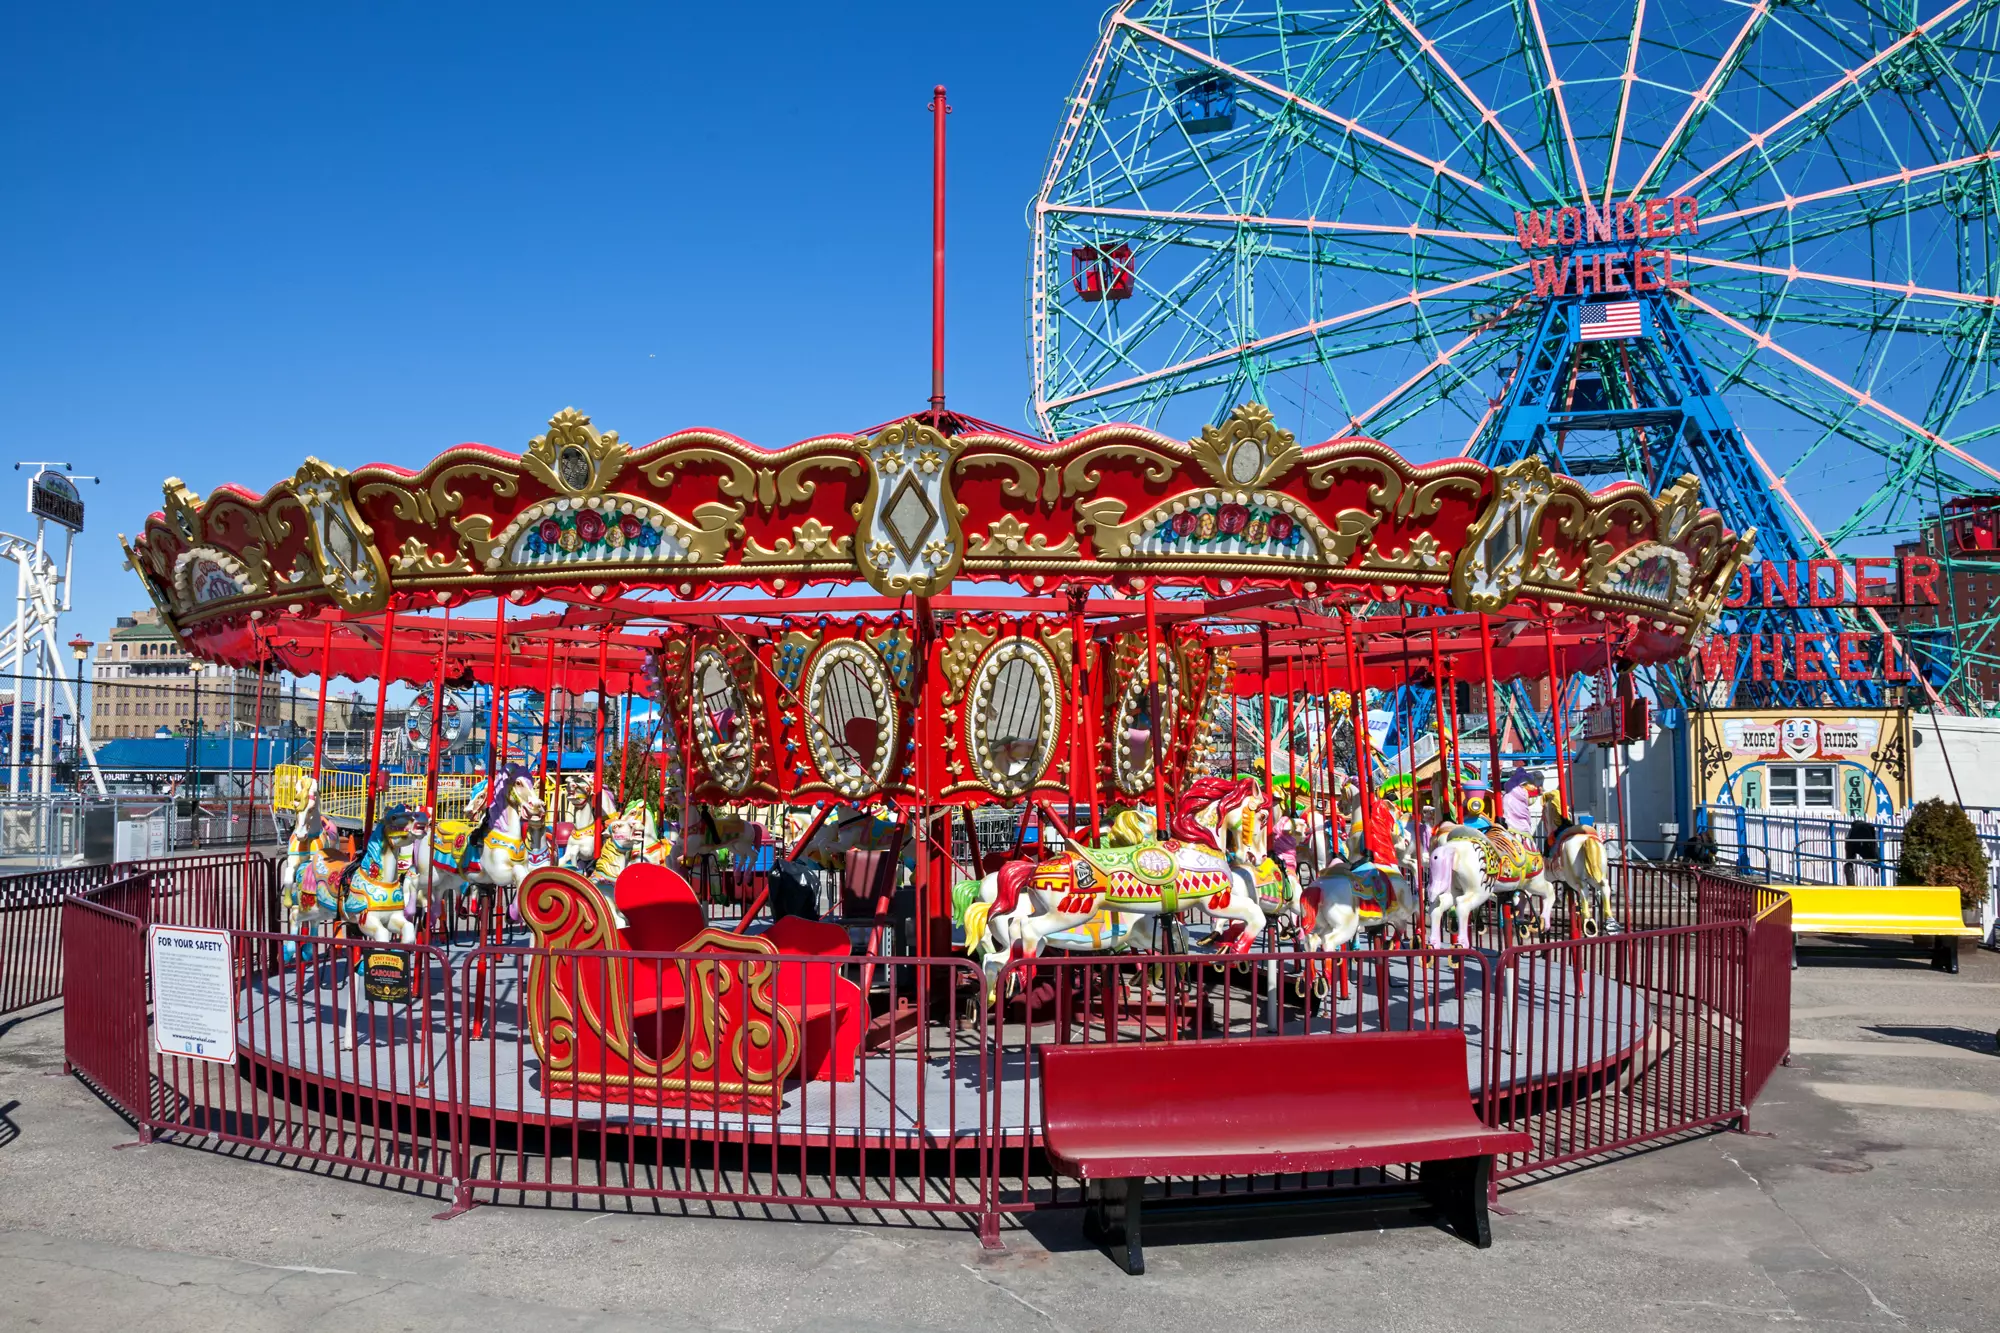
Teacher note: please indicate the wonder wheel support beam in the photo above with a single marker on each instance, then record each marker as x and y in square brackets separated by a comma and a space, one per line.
[1671, 399]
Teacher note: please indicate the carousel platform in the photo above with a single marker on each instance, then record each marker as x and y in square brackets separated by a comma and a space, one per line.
[940, 1083]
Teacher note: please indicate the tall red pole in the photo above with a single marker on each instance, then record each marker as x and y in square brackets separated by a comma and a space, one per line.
[1556, 687]
[1492, 718]
[381, 711]
[495, 741]
[939, 109]
[435, 760]
[1160, 738]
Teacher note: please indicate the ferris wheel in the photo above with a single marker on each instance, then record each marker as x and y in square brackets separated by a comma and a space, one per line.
[1373, 216]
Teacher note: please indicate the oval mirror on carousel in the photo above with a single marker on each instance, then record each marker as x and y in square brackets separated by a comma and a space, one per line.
[1011, 732]
[851, 717]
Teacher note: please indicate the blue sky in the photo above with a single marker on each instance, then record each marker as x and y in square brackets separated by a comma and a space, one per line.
[238, 235]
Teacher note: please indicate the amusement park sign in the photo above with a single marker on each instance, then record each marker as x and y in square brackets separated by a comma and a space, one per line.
[1616, 223]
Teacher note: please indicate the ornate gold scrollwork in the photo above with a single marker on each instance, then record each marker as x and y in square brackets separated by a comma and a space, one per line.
[1004, 539]
[811, 541]
[740, 484]
[574, 458]
[418, 558]
[793, 489]
[1248, 450]
[342, 542]
[1025, 484]
[1506, 541]
[1079, 477]
[960, 656]
[183, 509]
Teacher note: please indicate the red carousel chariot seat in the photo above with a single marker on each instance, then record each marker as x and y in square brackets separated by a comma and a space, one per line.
[665, 1031]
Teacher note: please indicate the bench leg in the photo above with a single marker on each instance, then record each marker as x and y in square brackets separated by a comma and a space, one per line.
[1111, 1218]
[1457, 1189]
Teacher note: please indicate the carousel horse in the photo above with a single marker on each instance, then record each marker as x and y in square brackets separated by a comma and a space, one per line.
[380, 893]
[1506, 864]
[504, 846]
[1457, 882]
[575, 821]
[305, 875]
[1576, 860]
[1210, 863]
[625, 844]
[1373, 863]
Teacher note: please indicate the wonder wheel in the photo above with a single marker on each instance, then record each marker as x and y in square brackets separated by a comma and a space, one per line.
[1339, 210]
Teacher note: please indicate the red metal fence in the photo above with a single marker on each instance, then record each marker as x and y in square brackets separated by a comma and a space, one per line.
[218, 889]
[1591, 1046]
[31, 959]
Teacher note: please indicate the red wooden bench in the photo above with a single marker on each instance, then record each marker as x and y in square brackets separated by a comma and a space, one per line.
[1114, 1114]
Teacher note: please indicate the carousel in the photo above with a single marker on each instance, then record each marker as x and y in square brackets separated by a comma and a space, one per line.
[918, 709]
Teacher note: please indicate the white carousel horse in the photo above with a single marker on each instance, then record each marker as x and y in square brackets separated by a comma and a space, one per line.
[1576, 860]
[1457, 882]
[305, 874]
[1374, 866]
[1024, 902]
[509, 842]
[575, 808]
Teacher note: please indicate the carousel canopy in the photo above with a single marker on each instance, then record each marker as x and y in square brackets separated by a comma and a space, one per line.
[812, 621]
[1239, 519]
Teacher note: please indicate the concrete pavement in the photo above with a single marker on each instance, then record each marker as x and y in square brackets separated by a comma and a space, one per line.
[1868, 1196]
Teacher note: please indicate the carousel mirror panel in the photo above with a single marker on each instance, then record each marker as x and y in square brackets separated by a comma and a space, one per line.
[851, 721]
[1014, 716]
[1133, 748]
[722, 727]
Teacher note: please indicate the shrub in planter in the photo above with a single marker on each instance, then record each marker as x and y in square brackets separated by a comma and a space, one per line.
[1940, 846]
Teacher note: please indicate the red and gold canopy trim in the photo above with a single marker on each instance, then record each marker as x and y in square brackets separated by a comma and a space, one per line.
[908, 510]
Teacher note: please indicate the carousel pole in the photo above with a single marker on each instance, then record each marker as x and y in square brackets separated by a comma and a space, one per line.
[435, 760]
[1357, 705]
[666, 737]
[624, 742]
[1457, 759]
[256, 730]
[493, 741]
[1439, 692]
[548, 710]
[381, 709]
[1557, 686]
[319, 721]
[939, 109]
[1076, 709]
[1492, 718]
[1159, 738]
[1264, 702]
[1292, 733]
[433, 766]
[597, 772]
[1091, 704]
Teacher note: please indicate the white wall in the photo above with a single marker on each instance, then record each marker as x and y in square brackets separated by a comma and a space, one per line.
[1648, 768]
[1973, 744]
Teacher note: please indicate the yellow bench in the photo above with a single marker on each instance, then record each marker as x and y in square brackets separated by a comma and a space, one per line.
[1920, 910]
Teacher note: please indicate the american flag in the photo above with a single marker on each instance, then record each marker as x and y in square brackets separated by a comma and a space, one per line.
[1609, 319]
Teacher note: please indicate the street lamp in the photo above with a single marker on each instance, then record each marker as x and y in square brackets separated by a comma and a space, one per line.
[81, 647]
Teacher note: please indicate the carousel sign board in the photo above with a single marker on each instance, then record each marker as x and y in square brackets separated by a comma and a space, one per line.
[194, 995]
[1838, 764]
